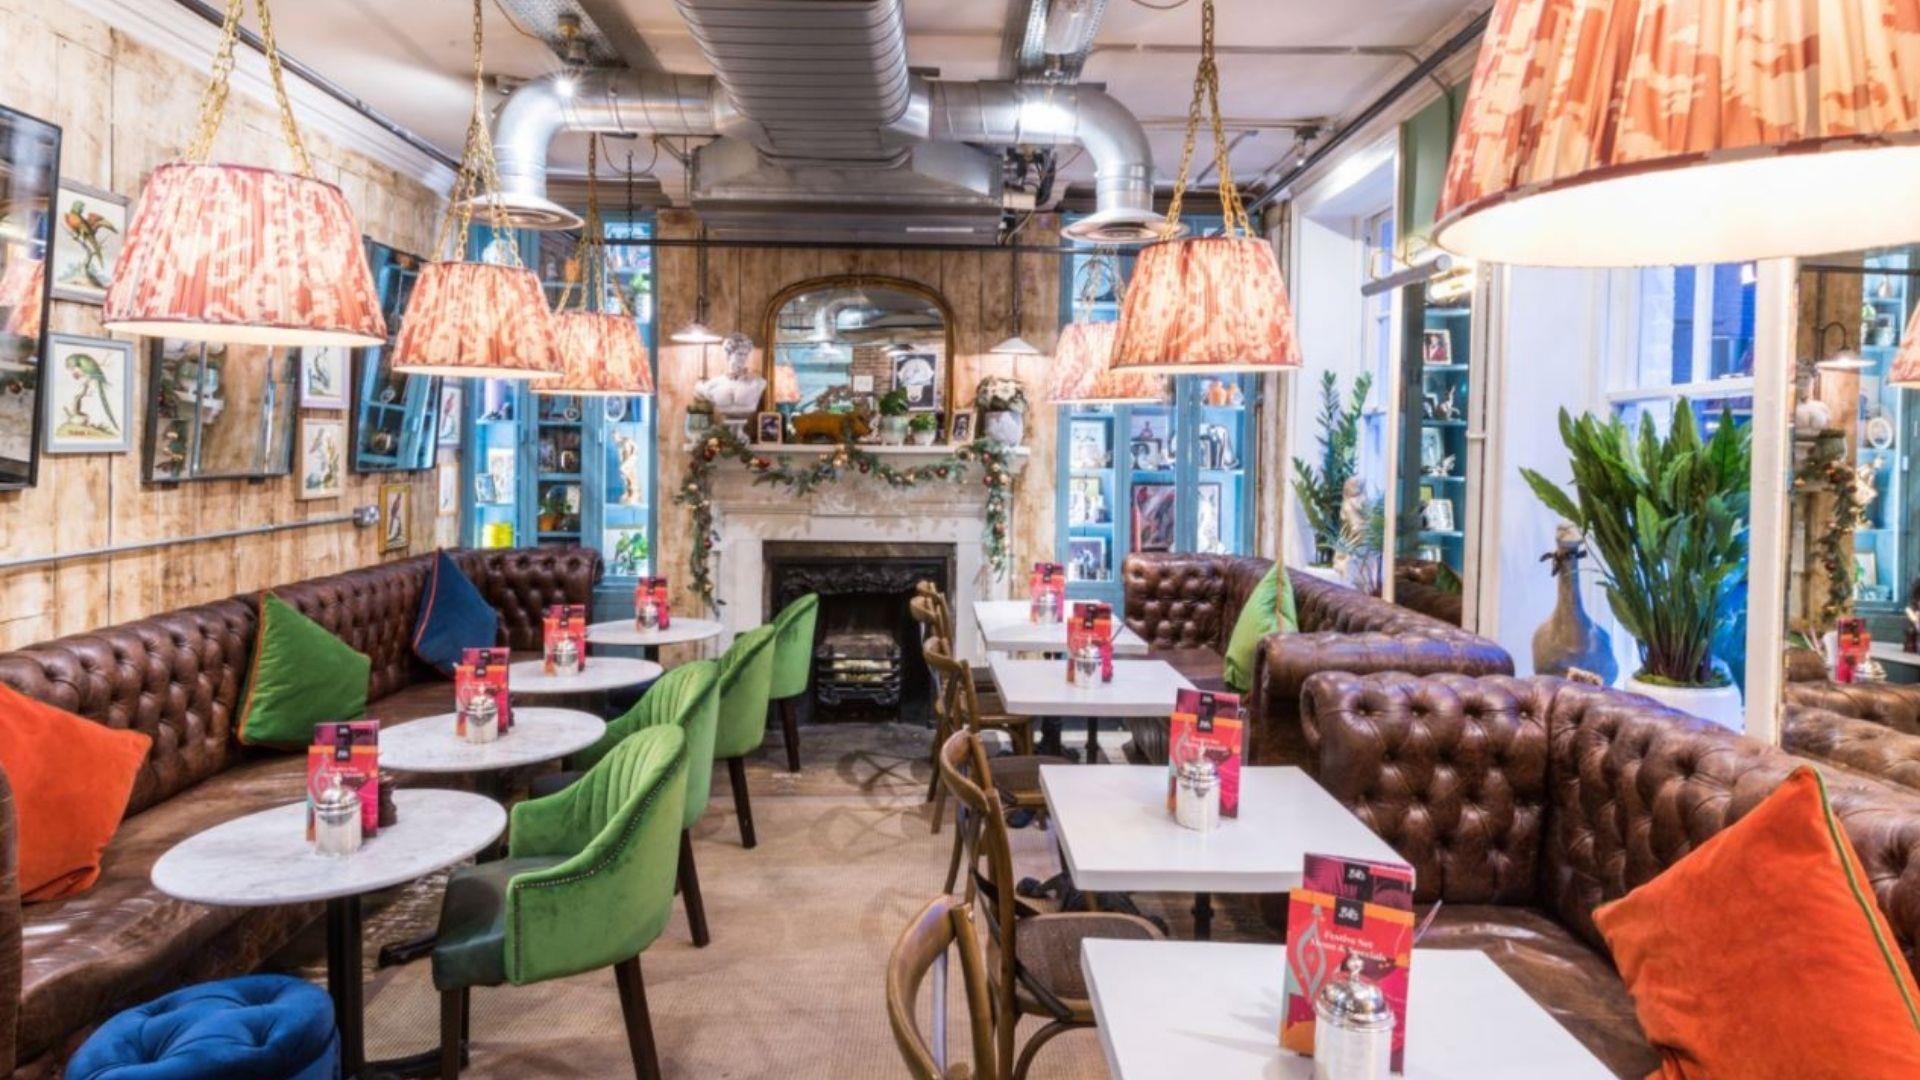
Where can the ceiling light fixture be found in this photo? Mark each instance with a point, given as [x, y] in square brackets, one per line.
[600, 352]
[478, 319]
[241, 253]
[1210, 303]
[1664, 133]
[1081, 373]
[1014, 344]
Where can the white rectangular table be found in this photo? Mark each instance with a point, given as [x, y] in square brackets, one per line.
[1117, 836]
[1005, 626]
[1177, 1009]
[1040, 688]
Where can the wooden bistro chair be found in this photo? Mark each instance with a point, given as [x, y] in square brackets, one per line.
[944, 924]
[1035, 967]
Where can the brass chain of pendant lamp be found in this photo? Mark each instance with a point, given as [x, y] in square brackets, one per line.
[697, 332]
[601, 353]
[471, 318]
[244, 253]
[1212, 303]
[1081, 373]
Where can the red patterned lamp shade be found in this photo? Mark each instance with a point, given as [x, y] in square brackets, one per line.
[1687, 131]
[600, 355]
[244, 254]
[1212, 303]
[477, 319]
[1080, 375]
[1906, 363]
[786, 384]
[23, 285]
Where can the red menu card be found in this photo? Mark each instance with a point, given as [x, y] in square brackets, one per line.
[352, 749]
[1343, 907]
[1048, 578]
[564, 622]
[1208, 725]
[654, 588]
[1091, 625]
[481, 671]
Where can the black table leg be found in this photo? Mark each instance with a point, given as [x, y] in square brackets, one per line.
[1093, 741]
[1203, 916]
[343, 982]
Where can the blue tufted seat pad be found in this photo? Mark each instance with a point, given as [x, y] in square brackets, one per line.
[256, 1027]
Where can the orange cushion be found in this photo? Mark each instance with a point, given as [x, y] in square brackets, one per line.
[1762, 954]
[71, 781]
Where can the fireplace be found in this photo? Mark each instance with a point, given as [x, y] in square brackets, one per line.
[866, 646]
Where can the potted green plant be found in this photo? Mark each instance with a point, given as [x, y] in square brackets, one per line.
[893, 417]
[922, 427]
[1668, 518]
[1322, 490]
[1002, 402]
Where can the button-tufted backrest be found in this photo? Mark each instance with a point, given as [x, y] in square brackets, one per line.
[373, 611]
[176, 678]
[1860, 745]
[1183, 601]
[1894, 705]
[1327, 605]
[521, 583]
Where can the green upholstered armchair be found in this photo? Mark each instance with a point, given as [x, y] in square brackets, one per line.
[792, 665]
[587, 883]
[746, 676]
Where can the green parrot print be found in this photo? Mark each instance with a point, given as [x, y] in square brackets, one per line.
[89, 381]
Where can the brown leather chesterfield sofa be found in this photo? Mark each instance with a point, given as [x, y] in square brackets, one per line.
[1185, 607]
[1862, 746]
[67, 965]
[1524, 804]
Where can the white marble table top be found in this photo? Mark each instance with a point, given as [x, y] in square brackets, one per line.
[1169, 1009]
[264, 859]
[678, 631]
[602, 673]
[1117, 835]
[1040, 688]
[1891, 653]
[1006, 626]
[428, 745]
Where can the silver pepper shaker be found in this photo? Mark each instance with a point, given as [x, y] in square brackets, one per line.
[648, 617]
[482, 716]
[1196, 795]
[1086, 664]
[336, 820]
[566, 656]
[1047, 607]
[1353, 1028]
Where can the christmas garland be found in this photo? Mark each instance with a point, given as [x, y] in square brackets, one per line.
[720, 443]
[1832, 547]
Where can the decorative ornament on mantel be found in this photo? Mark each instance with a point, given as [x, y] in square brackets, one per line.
[600, 352]
[243, 253]
[1211, 303]
[477, 319]
[832, 463]
[1686, 131]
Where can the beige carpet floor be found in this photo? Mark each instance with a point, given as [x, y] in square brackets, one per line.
[792, 985]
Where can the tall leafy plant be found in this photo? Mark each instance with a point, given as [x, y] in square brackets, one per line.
[1668, 518]
[1320, 490]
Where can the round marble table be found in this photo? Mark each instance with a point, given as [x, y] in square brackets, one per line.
[428, 745]
[603, 673]
[264, 860]
[678, 631]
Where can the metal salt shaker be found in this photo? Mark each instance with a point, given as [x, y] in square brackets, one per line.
[336, 820]
[566, 655]
[1086, 664]
[1196, 795]
[482, 715]
[1353, 1028]
[648, 617]
[1047, 607]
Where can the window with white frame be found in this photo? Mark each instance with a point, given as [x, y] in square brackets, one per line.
[1690, 334]
[1378, 347]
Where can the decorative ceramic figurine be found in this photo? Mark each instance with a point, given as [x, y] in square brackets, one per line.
[1569, 638]
[1811, 417]
[628, 452]
[735, 395]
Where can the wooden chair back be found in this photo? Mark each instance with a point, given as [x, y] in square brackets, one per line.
[944, 924]
[954, 681]
[937, 600]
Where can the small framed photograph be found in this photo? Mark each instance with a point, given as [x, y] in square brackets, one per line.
[1090, 448]
[483, 488]
[768, 428]
[1087, 559]
[396, 516]
[863, 384]
[1436, 347]
[323, 377]
[447, 427]
[322, 457]
[914, 373]
[1437, 515]
[1087, 501]
[89, 398]
[962, 427]
[90, 226]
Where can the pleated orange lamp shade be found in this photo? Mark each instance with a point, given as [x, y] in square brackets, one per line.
[786, 385]
[23, 286]
[480, 320]
[1906, 363]
[601, 354]
[1211, 303]
[1687, 131]
[244, 254]
[1080, 374]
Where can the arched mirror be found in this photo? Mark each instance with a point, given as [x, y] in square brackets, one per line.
[864, 333]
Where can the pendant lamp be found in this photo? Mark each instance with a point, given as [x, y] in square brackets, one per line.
[1210, 303]
[600, 352]
[1080, 373]
[476, 319]
[1662, 132]
[1014, 345]
[1905, 370]
[241, 253]
[697, 332]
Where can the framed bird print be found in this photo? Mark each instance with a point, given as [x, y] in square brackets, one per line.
[323, 377]
[89, 399]
[89, 227]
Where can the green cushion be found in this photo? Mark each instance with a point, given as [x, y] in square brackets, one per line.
[471, 948]
[301, 676]
[793, 647]
[1269, 609]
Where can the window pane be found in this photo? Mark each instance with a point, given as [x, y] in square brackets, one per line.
[1731, 338]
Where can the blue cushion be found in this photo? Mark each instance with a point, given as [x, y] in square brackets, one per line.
[256, 1027]
[454, 617]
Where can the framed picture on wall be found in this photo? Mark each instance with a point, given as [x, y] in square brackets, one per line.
[1090, 447]
[768, 428]
[323, 444]
[962, 427]
[1436, 347]
[89, 227]
[914, 372]
[447, 427]
[396, 516]
[1153, 517]
[89, 397]
[323, 377]
[1087, 558]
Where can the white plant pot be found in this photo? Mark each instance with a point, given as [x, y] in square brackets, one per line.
[1720, 704]
[893, 430]
[921, 437]
[1004, 426]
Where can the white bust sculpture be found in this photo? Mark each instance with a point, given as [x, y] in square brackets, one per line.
[735, 395]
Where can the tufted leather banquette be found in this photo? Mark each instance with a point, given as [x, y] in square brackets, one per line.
[1185, 607]
[178, 677]
[1860, 745]
[1524, 804]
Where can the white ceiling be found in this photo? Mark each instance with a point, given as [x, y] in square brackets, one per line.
[411, 60]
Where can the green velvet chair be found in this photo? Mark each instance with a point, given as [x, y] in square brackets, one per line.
[746, 677]
[793, 667]
[587, 883]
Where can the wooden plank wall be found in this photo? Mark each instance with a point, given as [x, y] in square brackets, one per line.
[741, 282]
[125, 108]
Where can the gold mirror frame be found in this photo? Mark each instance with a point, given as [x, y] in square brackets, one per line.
[769, 323]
